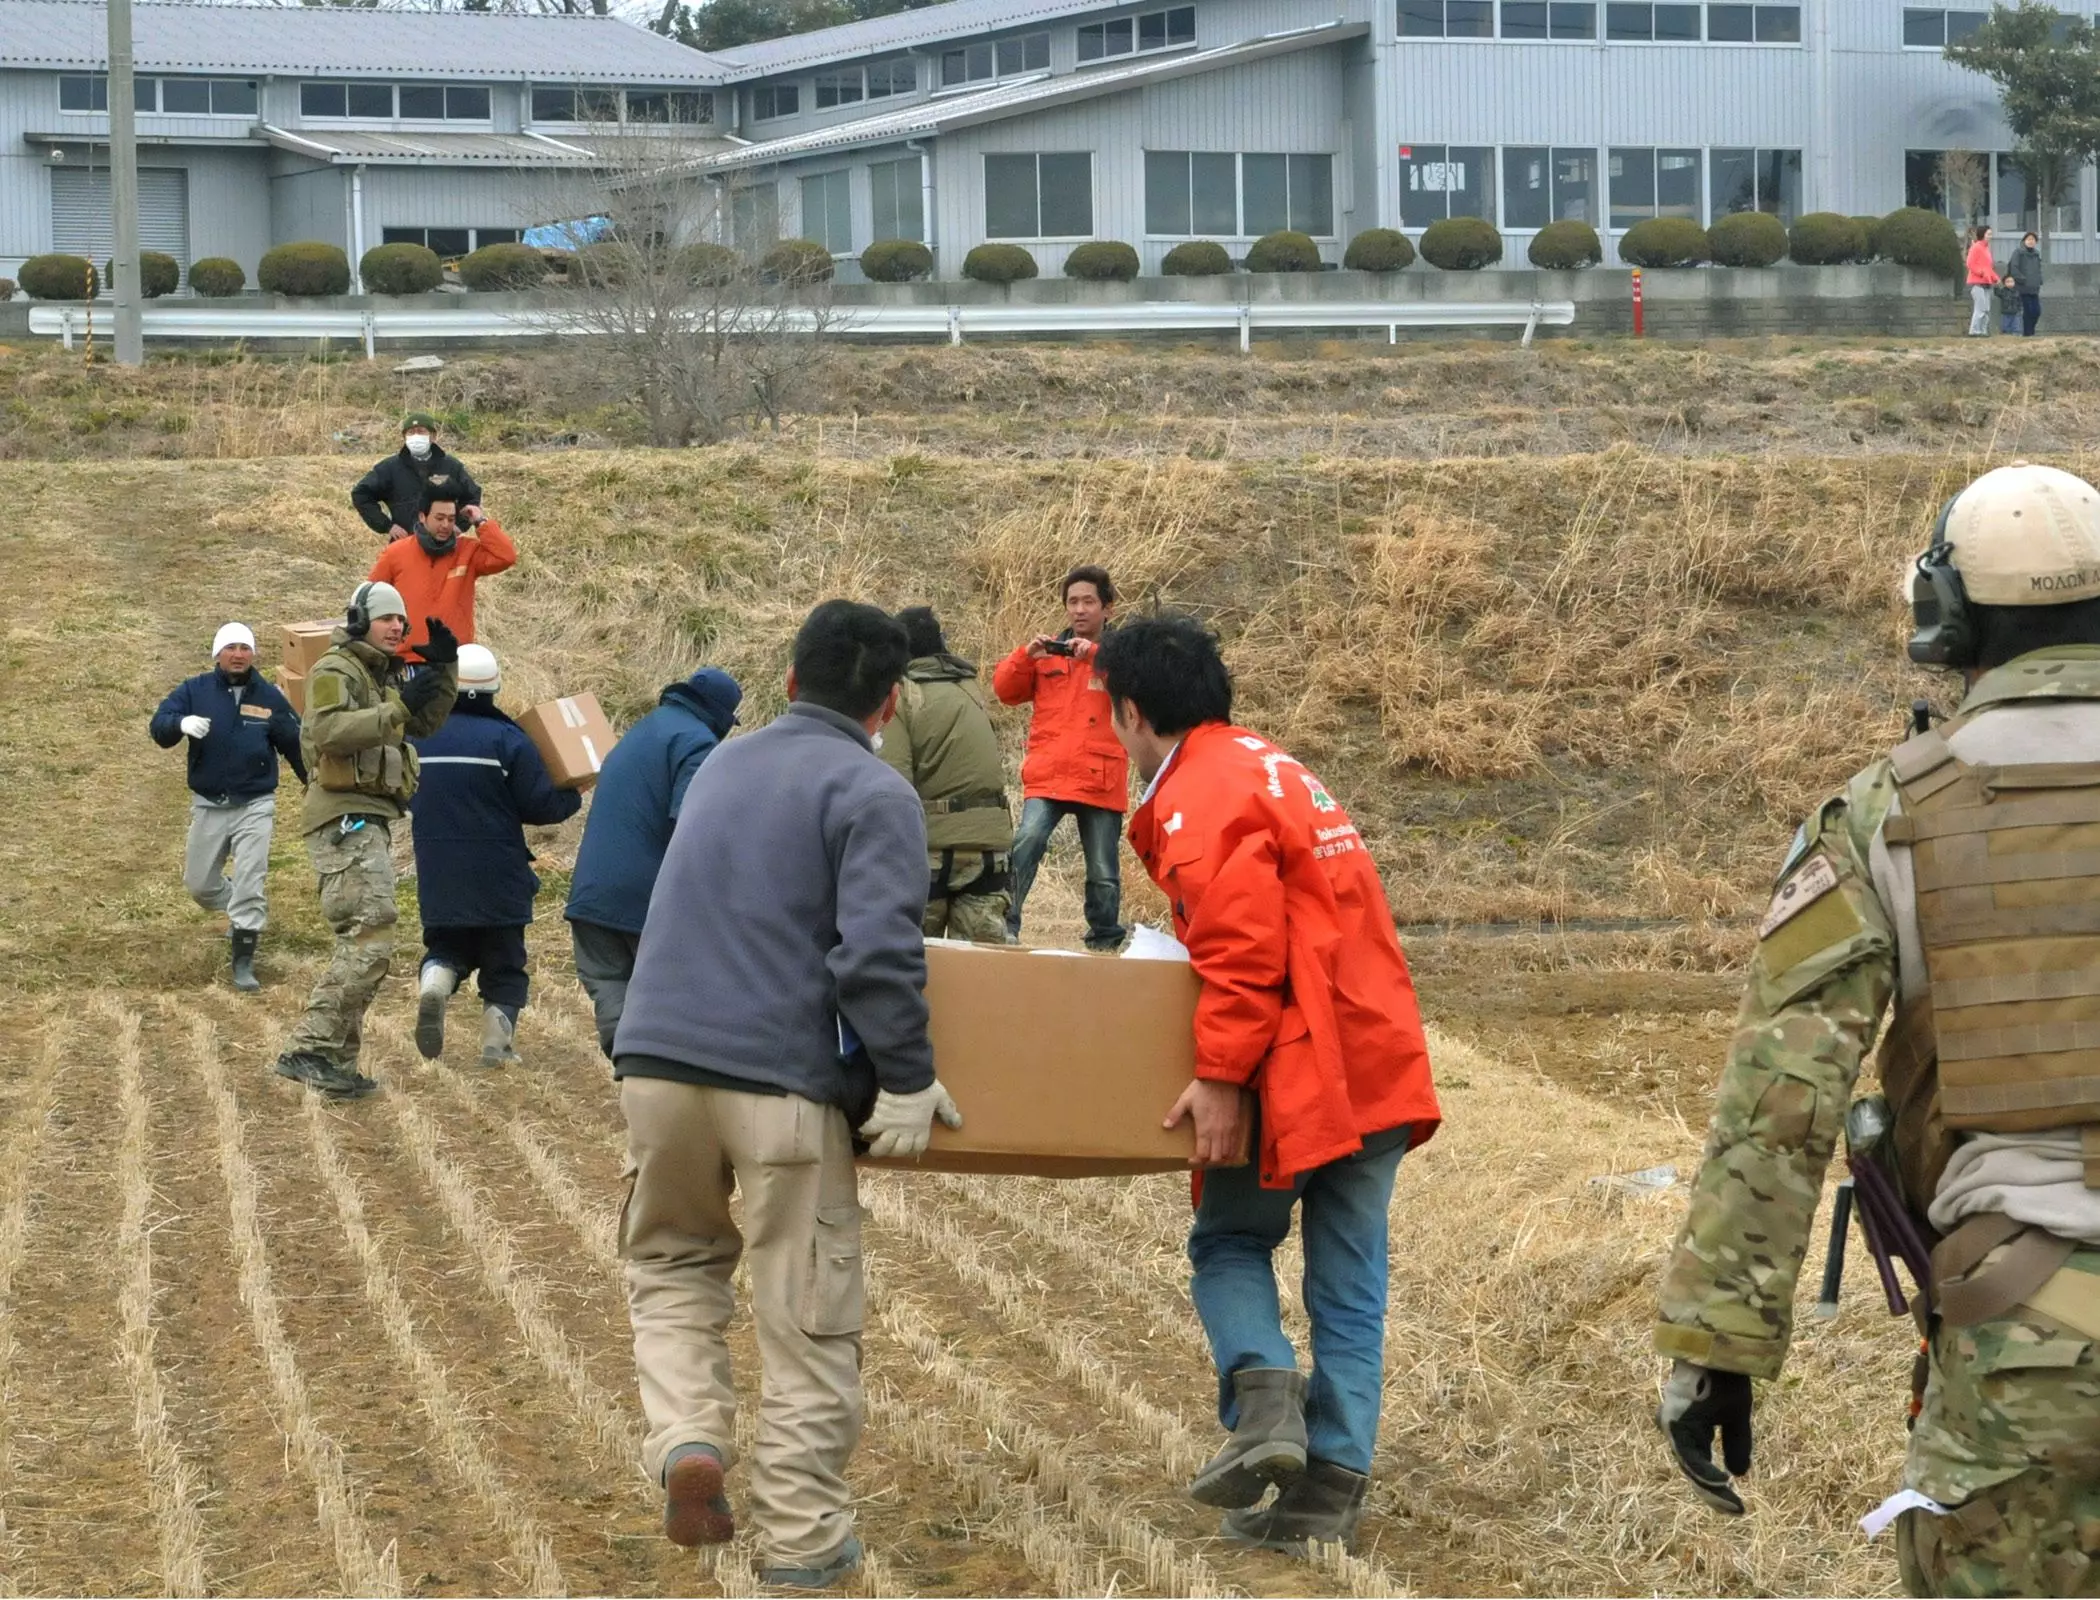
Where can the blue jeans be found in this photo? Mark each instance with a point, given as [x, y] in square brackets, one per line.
[1232, 1247]
[2030, 314]
[1100, 830]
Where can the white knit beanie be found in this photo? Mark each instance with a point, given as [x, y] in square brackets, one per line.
[232, 633]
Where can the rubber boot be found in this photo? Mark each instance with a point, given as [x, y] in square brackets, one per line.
[244, 978]
[433, 993]
[820, 1574]
[696, 1511]
[1267, 1447]
[1323, 1506]
[497, 1031]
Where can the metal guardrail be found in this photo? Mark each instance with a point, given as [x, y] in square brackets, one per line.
[372, 327]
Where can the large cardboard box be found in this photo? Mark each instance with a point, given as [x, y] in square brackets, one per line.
[573, 738]
[1063, 1065]
[294, 686]
[301, 644]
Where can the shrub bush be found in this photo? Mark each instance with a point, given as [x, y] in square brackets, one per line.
[158, 274]
[604, 261]
[307, 268]
[1284, 251]
[1914, 237]
[7, 289]
[1199, 258]
[57, 277]
[1747, 239]
[495, 267]
[1870, 230]
[217, 277]
[1379, 250]
[1566, 246]
[1461, 244]
[998, 263]
[1664, 242]
[896, 261]
[1826, 239]
[796, 261]
[400, 269]
[707, 265]
[1102, 261]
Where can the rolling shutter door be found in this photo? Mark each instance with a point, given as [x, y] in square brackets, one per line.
[80, 213]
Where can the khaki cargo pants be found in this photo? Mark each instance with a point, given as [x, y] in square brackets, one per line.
[357, 897]
[979, 918]
[688, 1150]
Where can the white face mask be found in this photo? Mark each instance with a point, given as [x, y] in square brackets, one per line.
[419, 445]
[875, 739]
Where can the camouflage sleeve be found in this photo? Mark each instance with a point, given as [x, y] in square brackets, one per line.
[1824, 969]
[337, 727]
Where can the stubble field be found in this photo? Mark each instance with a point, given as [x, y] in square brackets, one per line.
[251, 1343]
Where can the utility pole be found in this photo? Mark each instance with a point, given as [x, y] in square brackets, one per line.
[124, 187]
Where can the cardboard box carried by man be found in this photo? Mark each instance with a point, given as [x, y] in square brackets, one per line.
[572, 736]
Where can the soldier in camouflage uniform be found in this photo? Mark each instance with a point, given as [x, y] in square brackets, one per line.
[1960, 878]
[361, 711]
[943, 741]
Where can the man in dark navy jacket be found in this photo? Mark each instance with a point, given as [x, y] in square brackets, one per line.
[482, 783]
[237, 725]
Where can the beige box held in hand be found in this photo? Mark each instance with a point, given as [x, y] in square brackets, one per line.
[304, 643]
[293, 685]
[572, 737]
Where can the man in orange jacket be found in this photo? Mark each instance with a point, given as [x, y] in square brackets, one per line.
[1306, 1010]
[1074, 766]
[454, 547]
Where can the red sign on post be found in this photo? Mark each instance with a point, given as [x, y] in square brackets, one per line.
[1639, 330]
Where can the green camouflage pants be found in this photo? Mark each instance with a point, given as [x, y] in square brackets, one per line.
[979, 918]
[357, 897]
[2009, 1440]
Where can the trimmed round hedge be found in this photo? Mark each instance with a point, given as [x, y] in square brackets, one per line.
[708, 265]
[998, 263]
[896, 261]
[1915, 237]
[1826, 239]
[1199, 258]
[158, 274]
[1461, 244]
[601, 264]
[306, 268]
[1379, 250]
[1102, 261]
[400, 269]
[1284, 251]
[58, 277]
[217, 277]
[1664, 242]
[1566, 246]
[1747, 239]
[497, 267]
[796, 262]
[1870, 230]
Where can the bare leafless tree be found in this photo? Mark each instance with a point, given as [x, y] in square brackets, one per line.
[1965, 182]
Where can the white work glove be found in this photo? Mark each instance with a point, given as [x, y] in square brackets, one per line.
[196, 727]
[902, 1124]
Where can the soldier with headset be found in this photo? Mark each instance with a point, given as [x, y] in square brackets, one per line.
[361, 710]
[1959, 877]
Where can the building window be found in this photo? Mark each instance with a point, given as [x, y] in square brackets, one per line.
[1747, 24]
[373, 102]
[1295, 192]
[901, 76]
[1028, 52]
[1655, 183]
[845, 88]
[442, 102]
[1151, 30]
[1756, 180]
[1658, 24]
[1439, 181]
[899, 202]
[589, 103]
[850, 85]
[986, 60]
[754, 217]
[87, 93]
[2020, 205]
[451, 243]
[1932, 29]
[203, 97]
[1575, 186]
[1549, 19]
[827, 210]
[1206, 194]
[1527, 187]
[668, 107]
[1039, 196]
[770, 100]
[1447, 19]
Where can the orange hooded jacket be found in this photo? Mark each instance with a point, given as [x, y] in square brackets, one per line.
[1306, 996]
[1073, 753]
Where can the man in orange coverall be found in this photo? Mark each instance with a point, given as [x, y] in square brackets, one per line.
[454, 547]
[1307, 1009]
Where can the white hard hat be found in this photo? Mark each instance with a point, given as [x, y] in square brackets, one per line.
[2026, 535]
[478, 672]
[232, 633]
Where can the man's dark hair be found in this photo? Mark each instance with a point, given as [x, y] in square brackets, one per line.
[1104, 585]
[848, 657]
[1169, 668]
[440, 491]
[922, 631]
[2003, 632]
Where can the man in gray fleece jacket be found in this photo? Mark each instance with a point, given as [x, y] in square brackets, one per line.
[778, 999]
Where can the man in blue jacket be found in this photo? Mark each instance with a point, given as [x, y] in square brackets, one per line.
[237, 724]
[483, 782]
[639, 795]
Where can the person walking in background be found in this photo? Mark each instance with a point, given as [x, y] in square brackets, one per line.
[482, 784]
[1074, 766]
[238, 724]
[639, 794]
[2007, 297]
[778, 1002]
[454, 548]
[943, 742]
[390, 496]
[2024, 273]
[1983, 279]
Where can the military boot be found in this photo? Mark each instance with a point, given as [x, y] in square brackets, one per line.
[316, 1071]
[433, 993]
[1321, 1507]
[244, 942]
[497, 1031]
[1267, 1447]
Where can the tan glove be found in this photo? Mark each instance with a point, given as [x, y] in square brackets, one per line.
[902, 1124]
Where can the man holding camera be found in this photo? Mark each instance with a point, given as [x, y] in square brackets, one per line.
[361, 710]
[1074, 766]
[456, 545]
[390, 496]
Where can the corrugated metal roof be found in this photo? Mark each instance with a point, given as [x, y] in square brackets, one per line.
[901, 30]
[1028, 94]
[312, 41]
[446, 149]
